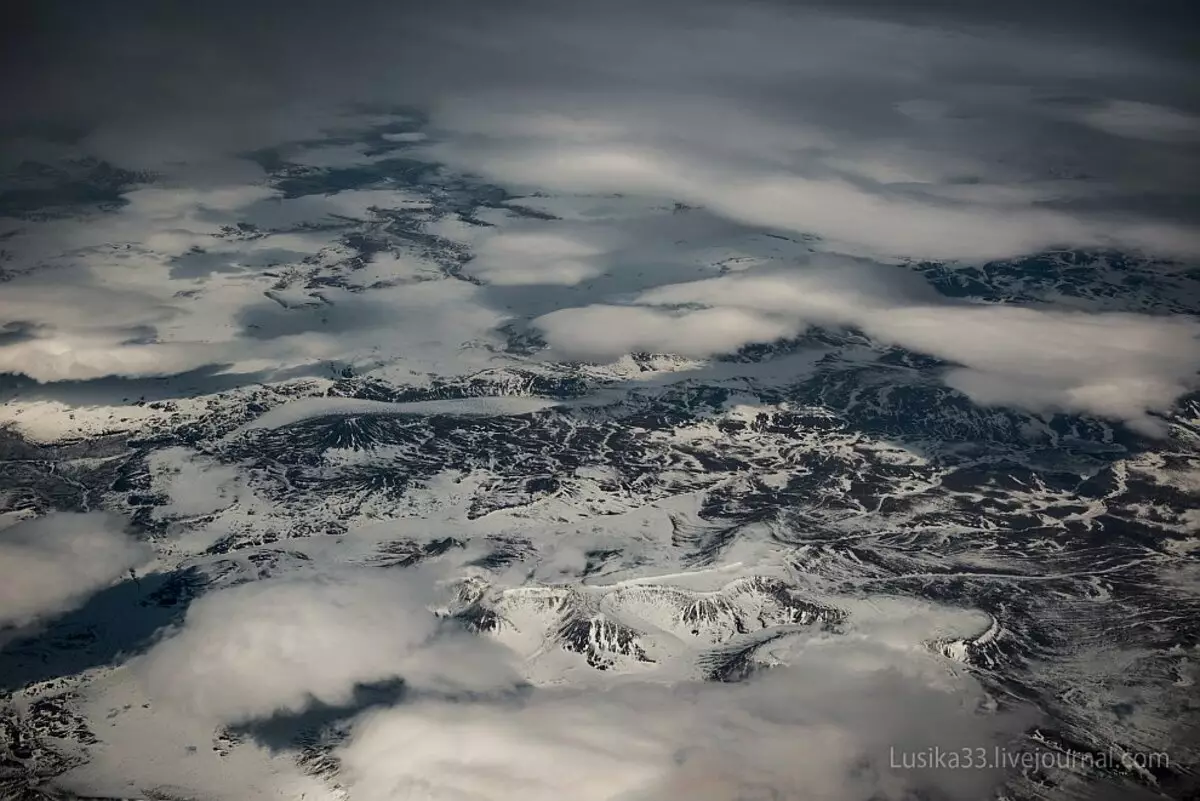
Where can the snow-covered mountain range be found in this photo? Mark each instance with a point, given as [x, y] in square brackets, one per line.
[674, 518]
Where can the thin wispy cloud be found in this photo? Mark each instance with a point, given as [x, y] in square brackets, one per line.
[51, 564]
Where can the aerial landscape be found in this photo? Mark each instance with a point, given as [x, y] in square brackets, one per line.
[662, 401]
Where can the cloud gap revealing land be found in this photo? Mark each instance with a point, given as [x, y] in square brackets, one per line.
[660, 401]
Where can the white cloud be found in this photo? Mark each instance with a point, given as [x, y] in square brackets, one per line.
[605, 332]
[249, 651]
[849, 217]
[821, 730]
[1118, 366]
[52, 564]
[106, 296]
[533, 257]
[76, 358]
[87, 308]
[192, 483]
[880, 144]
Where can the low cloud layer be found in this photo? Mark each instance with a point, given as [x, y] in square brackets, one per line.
[1118, 366]
[815, 732]
[534, 257]
[254, 650]
[51, 564]
[192, 484]
[924, 137]
[156, 289]
[912, 219]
